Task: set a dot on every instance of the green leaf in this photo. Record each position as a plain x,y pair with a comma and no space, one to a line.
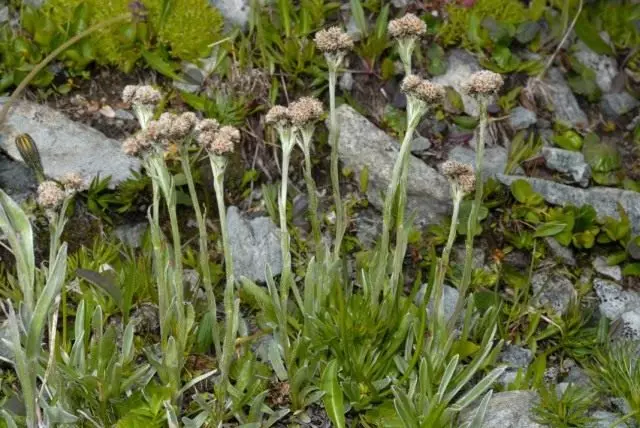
589,34
155,61
616,258
103,281
549,229
632,269
601,157
333,398
358,16
569,140
524,193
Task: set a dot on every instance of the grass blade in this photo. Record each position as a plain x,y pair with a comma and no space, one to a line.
333,398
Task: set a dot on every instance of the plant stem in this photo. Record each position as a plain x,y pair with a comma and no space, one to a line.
218,185
203,245
334,137
473,216
38,68
313,200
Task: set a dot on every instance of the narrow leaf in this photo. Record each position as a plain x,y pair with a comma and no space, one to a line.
333,398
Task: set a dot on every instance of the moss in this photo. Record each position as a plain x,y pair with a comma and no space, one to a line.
456,28
191,26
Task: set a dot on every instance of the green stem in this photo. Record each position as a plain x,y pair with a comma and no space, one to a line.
473,216
38,68
313,201
203,245
218,185
334,137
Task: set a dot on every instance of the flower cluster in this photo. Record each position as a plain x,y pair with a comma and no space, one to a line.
141,95
50,194
223,141
305,111
409,26
484,83
333,40
423,90
460,174
72,183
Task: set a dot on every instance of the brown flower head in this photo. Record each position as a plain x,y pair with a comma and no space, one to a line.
224,141
207,125
424,90
183,125
305,111
484,82
333,40
131,147
72,182
460,173
141,94
128,93
279,116
50,194
407,26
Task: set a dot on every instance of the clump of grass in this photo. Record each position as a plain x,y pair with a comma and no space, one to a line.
565,409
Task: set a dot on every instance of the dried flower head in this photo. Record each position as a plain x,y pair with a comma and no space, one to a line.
279,115
72,182
128,93
50,194
484,82
460,173
407,26
207,125
305,111
183,125
225,140
131,147
424,90
333,40
206,138
146,94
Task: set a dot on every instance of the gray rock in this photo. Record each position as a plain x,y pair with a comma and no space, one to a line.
568,162
131,234
460,66
512,409
516,356
618,104
604,419
420,145
495,159
4,14
189,88
353,30
603,199
346,81
564,103
560,252
630,322
633,249
146,319
614,301
522,118
124,115
400,3
478,258
368,225
578,377
448,303
363,145
602,267
554,290
66,146
605,67
235,12
255,244
16,179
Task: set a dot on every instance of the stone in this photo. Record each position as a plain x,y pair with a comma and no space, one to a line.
617,104
346,81
400,3
568,162
353,30
368,225
235,12
516,356
124,114
66,146
146,319
16,179
602,267
630,323
564,103
4,14
603,199
419,145
604,67
131,234
604,419
522,118
512,409
614,301
633,249
460,66
255,244
478,258
363,145
560,252
448,303
554,290
495,159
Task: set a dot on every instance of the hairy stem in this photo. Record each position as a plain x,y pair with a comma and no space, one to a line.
313,200
334,137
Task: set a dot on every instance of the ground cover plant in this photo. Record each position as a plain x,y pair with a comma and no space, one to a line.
515,302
